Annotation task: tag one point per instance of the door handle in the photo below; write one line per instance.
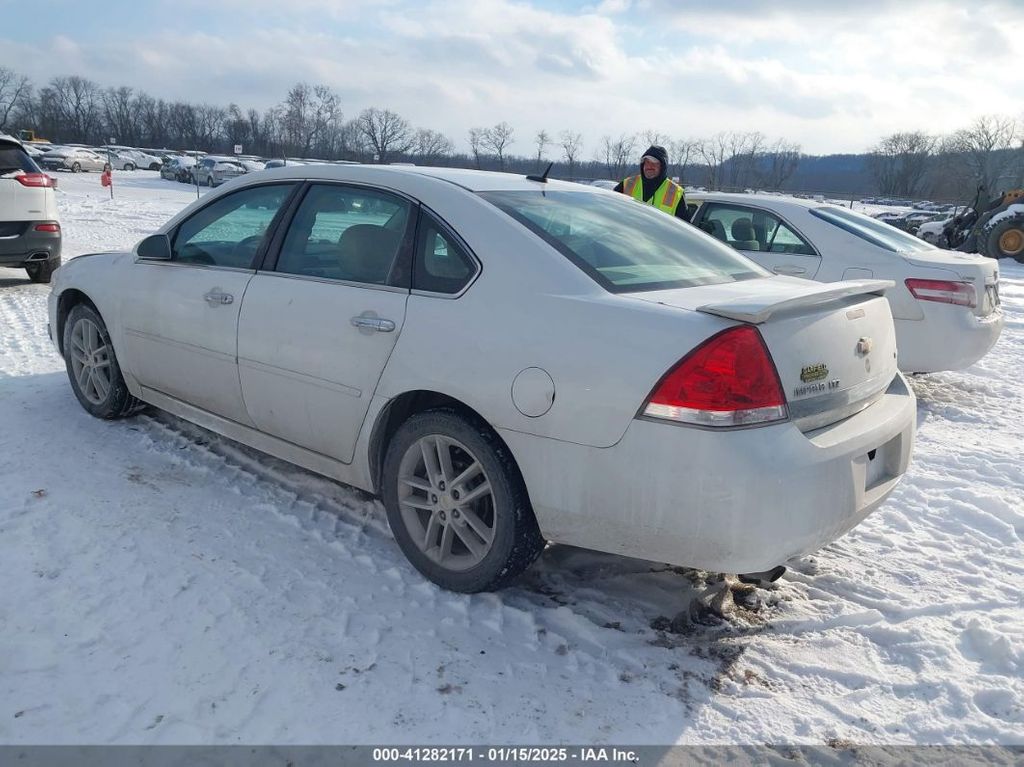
(373, 323)
(218, 297)
(789, 269)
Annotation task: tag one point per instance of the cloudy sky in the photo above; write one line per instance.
(832, 76)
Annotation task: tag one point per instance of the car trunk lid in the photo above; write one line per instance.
(833, 345)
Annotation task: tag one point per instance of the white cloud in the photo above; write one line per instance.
(831, 78)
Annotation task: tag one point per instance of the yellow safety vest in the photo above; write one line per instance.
(668, 197)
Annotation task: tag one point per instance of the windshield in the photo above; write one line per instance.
(623, 245)
(876, 232)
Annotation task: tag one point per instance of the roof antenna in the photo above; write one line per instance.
(542, 178)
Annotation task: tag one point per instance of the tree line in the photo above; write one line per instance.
(989, 152)
(309, 122)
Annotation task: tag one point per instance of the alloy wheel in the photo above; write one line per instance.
(446, 502)
(90, 361)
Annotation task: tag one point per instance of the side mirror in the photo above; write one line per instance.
(156, 247)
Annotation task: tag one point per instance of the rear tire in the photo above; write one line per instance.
(42, 271)
(464, 521)
(1005, 239)
(76, 167)
(92, 366)
(129, 166)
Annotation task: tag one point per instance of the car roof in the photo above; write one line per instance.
(471, 180)
(763, 200)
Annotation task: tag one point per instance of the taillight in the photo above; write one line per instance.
(729, 380)
(35, 179)
(943, 291)
(55, 227)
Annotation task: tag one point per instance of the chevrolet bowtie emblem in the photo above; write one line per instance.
(864, 346)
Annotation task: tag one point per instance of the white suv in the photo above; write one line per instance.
(29, 231)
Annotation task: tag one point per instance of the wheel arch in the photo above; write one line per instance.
(68, 300)
(401, 408)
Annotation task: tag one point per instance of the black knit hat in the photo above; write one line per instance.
(659, 153)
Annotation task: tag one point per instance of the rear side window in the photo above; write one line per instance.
(622, 245)
(442, 264)
(229, 232)
(876, 232)
(13, 157)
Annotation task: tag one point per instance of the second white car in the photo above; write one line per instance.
(945, 303)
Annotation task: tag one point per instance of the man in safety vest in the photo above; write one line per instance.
(653, 186)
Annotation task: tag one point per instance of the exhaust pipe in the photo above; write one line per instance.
(39, 257)
(759, 579)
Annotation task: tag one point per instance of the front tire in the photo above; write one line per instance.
(456, 503)
(1005, 239)
(92, 366)
(76, 167)
(209, 181)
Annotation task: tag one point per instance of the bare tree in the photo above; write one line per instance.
(387, 133)
(983, 147)
(153, 119)
(76, 101)
(684, 150)
(309, 114)
(899, 162)
(120, 115)
(13, 89)
(714, 152)
(572, 145)
(237, 129)
(652, 137)
(431, 145)
(617, 154)
(476, 145)
(498, 139)
(542, 139)
(777, 163)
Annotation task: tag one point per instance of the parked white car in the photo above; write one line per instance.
(945, 303)
(505, 362)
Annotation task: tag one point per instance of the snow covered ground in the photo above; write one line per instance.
(163, 585)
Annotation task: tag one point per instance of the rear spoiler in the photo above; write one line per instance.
(757, 309)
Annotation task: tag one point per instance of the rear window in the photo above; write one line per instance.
(876, 232)
(622, 245)
(13, 157)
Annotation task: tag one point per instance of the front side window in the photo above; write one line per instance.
(622, 245)
(229, 232)
(753, 229)
(345, 233)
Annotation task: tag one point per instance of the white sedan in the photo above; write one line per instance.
(945, 303)
(505, 361)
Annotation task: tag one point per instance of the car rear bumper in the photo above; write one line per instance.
(733, 501)
(948, 338)
(29, 245)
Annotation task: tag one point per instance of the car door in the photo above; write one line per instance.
(762, 236)
(90, 160)
(318, 324)
(180, 317)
